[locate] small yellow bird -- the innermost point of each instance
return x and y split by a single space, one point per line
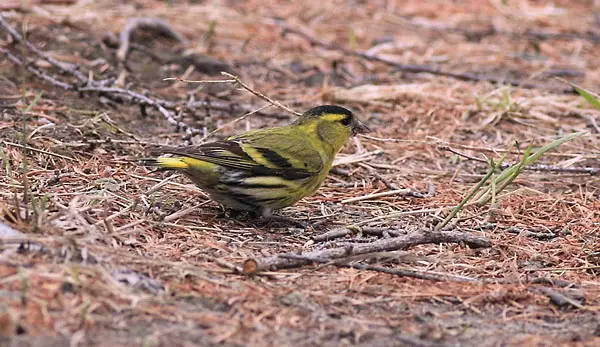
267 169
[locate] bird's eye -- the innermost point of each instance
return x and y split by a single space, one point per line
346 120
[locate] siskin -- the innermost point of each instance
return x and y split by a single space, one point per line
267 169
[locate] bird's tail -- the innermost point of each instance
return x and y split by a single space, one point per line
165 163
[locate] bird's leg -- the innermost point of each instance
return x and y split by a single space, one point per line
267 214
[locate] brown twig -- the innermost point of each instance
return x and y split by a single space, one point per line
219 106
237 80
260 95
398 192
254 265
417 68
557 298
37 72
534 234
535 167
342 232
115 93
92 86
424 275
147 23
8 143
554 282
491 31
374 172
335 234
142 99
63 67
246 115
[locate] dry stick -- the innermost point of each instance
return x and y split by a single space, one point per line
116 92
403 214
37 150
262 96
442 144
472 34
374 172
560 269
254 265
341 232
536 167
94 86
414 68
234 121
533 234
36 72
155 24
135 202
217 105
552 168
198 81
509 151
64 68
404 191
557 298
425 275
237 80
335 233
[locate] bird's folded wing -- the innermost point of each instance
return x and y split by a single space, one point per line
296 162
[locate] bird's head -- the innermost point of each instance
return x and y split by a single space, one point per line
332 124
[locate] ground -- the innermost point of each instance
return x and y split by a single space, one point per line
102 251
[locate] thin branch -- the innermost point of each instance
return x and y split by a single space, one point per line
37 150
491 31
260 95
147 23
36 72
237 80
350 229
113 91
63 67
559 299
234 121
536 167
424 275
397 192
416 68
254 265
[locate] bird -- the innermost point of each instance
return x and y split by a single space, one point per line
266 169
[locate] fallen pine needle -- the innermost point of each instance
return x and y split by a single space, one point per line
403 191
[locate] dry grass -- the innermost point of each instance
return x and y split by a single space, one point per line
119 254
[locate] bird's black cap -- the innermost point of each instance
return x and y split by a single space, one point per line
327 109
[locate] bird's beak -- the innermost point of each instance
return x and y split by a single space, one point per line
360 128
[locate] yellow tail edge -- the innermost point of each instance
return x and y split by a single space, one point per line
171 163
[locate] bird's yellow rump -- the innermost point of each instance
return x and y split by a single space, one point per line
267 169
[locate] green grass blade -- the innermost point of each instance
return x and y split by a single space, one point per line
589 96
35 101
